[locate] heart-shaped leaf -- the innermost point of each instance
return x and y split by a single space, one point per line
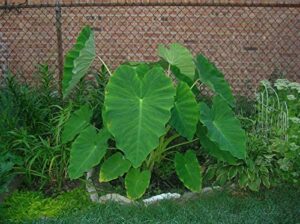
87 151
209 75
180 57
78 60
188 170
114 167
137 110
78 121
223 128
185 113
136 183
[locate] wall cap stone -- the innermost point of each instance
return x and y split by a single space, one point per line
253 3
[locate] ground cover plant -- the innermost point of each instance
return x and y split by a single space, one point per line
31 205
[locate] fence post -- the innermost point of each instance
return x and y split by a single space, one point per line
59 44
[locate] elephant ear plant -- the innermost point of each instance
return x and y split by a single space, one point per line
147 106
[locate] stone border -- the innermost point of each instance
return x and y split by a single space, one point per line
154 199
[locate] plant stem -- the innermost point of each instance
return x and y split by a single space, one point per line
168 141
182 143
109 72
112 148
192 86
169 70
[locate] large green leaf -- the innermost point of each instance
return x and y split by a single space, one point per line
136 183
223 127
114 167
78 121
213 78
87 151
212 148
185 113
180 57
137 110
78 60
188 170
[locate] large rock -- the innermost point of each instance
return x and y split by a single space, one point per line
165 196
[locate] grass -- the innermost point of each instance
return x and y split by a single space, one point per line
274 206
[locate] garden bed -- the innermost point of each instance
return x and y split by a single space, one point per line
143 130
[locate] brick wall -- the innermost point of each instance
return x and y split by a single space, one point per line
3 52
247 43
29 37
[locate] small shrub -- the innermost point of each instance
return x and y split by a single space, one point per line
32 118
273 143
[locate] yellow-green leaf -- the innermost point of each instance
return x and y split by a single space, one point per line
188 170
114 167
137 182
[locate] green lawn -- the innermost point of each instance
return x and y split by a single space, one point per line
273 206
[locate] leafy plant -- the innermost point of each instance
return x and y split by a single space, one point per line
44 162
29 113
32 121
148 96
253 173
273 146
144 111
